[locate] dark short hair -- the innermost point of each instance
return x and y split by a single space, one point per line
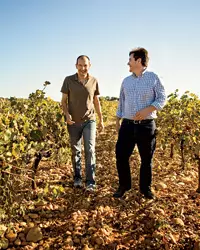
81 57
140 53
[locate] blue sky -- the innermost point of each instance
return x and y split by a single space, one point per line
41 39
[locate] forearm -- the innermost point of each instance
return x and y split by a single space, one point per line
64 104
151 108
98 109
65 108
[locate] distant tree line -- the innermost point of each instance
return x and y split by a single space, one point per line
109 98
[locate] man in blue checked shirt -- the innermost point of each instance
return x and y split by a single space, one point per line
141 95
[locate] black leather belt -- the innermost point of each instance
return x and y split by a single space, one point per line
138 121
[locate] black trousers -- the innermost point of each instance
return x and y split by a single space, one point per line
142 135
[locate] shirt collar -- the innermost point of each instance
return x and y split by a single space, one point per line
76 76
143 72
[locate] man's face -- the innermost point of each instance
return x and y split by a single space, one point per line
133 64
83 66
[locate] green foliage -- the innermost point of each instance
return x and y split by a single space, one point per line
33 125
28 126
179 124
108 109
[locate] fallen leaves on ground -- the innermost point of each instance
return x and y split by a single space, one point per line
62 217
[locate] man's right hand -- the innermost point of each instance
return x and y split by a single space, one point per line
69 119
118 125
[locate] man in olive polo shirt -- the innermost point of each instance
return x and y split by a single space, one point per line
79 101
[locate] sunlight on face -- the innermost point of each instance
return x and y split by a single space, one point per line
83 66
132 63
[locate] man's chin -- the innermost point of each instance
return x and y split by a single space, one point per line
83 73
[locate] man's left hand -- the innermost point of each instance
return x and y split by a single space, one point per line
101 126
142 114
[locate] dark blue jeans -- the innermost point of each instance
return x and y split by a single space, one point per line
142 135
87 130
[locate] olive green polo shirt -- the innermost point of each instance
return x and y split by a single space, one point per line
80 97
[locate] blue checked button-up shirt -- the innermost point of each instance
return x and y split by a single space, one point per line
140 92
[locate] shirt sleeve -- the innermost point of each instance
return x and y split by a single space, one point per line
160 98
65 86
120 108
96 92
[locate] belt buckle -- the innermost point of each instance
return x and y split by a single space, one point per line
136 121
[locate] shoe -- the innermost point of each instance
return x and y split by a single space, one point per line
90 188
78 183
148 195
120 192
